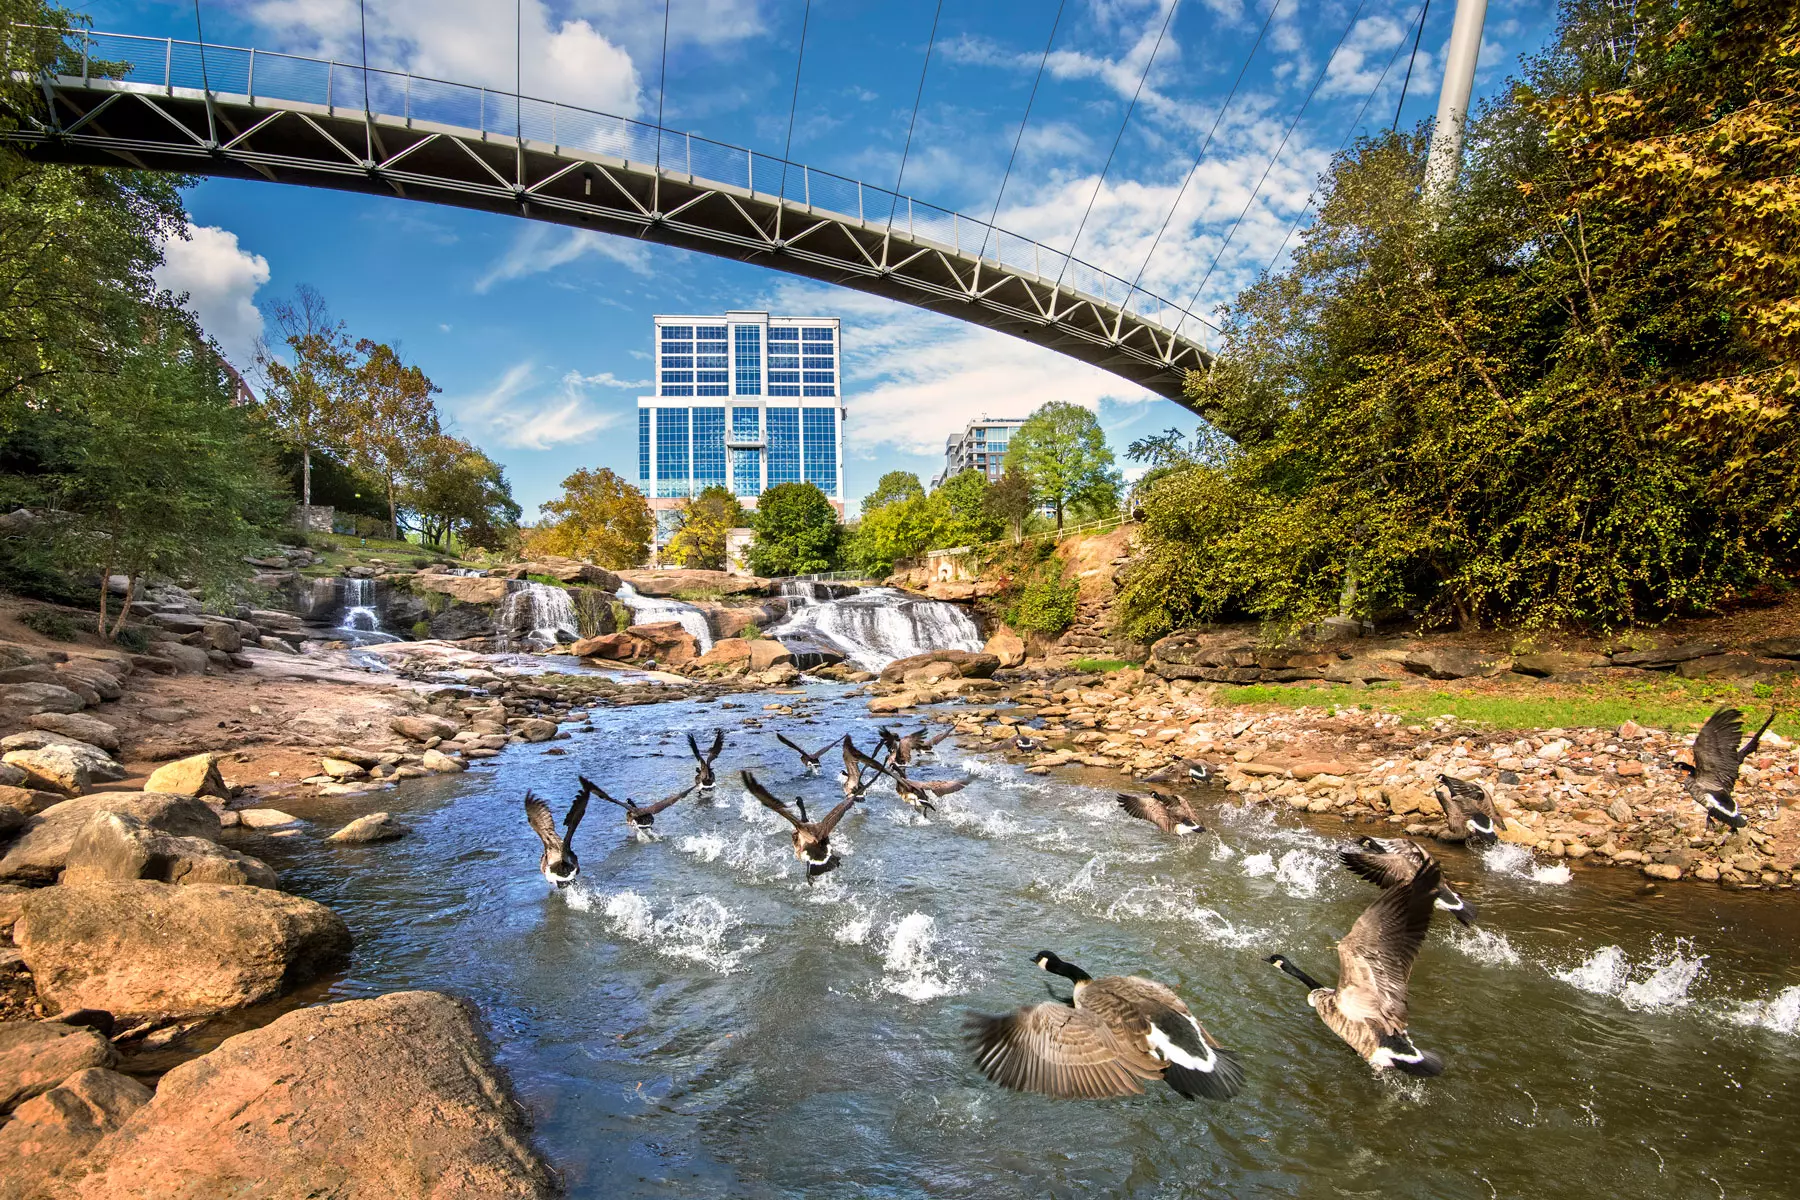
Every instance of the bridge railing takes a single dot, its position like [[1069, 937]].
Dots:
[[170, 64]]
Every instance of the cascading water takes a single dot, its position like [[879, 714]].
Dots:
[[536, 614], [874, 626], [359, 611], [349, 608], [648, 610]]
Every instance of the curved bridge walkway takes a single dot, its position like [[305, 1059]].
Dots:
[[170, 105]]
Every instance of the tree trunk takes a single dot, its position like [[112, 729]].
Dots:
[[305, 483], [131, 582], [393, 515], [105, 582], [1059, 515]]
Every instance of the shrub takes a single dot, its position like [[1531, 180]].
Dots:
[[1043, 603], [750, 633], [51, 623], [134, 638], [421, 629], [622, 618]]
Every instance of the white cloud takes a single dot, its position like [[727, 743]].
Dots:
[[516, 412], [538, 247], [606, 379], [220, 279]]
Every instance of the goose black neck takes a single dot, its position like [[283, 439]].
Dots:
[[1311, 983], [1069, 971]]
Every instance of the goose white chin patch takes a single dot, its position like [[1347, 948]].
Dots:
[[1481, 824], [1447, 906], [1168, 1051], [1184, 828]]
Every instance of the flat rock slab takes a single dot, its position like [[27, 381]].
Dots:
[[42, 850], [81, 727], [394, 1097], [139, 948], [35, 1056], [48, 1141], [1665, 656]]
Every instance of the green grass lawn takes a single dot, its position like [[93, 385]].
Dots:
[[342, 551], [1664, 703], [1102, 664]]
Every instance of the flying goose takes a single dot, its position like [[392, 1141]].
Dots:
[[916, 792], [899, 749], [559, 864], [1468, 811], [1375, 959], [929, 745], [1171, 814], [1025, 745], [1113, 1033], [638, 817], [812, 839], [808, 758], [703, 773], [1392, 862], [856, 784], [1716, 762]]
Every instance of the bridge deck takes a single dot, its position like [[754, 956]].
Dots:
[[170, 105]]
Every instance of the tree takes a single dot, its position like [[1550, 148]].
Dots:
[[306, 401], [1010, 500], [892, 487], [796, 531], [599, 517], [897, 530], [1061, 449], [959, 512], [461, 496], [700, 528], [389, 421]]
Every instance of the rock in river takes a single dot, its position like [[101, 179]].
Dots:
[[137, 948], [196, 775], [376, 827], [47, 1142], [394, 1097], [42, 849], [970, 664]]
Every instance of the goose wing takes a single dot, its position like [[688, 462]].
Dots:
[[852, 767], [577, 811], [940, 787], [718, 744], [1147, 808], [1384, 862], [768, 801], [589, 787], [542, 823], [1751, 745], [804, 756], [1155, 1022], [825, 824], [857, 756], [933, 741], [694, 747], [1375, 959], [1056, 1050], [666, 801], [1716, 752]]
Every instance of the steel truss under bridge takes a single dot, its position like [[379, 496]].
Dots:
[[170, 105]]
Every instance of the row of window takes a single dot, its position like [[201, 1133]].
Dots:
[[693, 361], [696, 437]]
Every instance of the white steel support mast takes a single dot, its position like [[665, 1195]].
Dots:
[[1444, 161]]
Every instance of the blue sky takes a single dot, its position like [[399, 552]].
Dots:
[[539, 336]]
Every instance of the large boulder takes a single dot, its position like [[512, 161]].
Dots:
[[66, 767], [35, 1056], [569, 570], [41, 697], [424, 727], [27, 802], [115, 846], [48, 1140], [618, 647], [1455, 662], [963, 591], [39, 854], [187, 660], [375, 827], [470, 589], [138, 948], [196, 775], [1557, 662], [394, 1097], [1665, 656], [461, 621], [721, 583], [1781, 647], [667, 642], [1006, 646], [81, 727], [970, 664], [753, 654]]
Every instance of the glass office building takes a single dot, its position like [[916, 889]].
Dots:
[[743, 401], [981, 446]]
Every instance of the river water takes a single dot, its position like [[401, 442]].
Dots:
[[694, 1020]]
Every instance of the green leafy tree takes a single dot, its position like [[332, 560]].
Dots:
[[700, 529], [898, 530], [1010, 501], [307, 397], [1061, 449], [959, 512], [389, 421], [891, 488], [461, 496], [796, 531], [599, 518]]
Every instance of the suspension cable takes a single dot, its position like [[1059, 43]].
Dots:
[[1273, 159], [1023, 121], [1204, 146], [200, 41], [1129, 109], [362, 13], [1367, 100], [662, 87], [1419, 27], [519, 73], [907, 148], [787, 147]]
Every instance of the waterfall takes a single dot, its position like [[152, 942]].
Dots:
[[358, 606], [536, 614], [647, 610], [875, 626]]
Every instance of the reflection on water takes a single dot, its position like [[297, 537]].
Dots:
[[696, 1020]]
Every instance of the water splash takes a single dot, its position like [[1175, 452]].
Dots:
[[911, 969], [1302, 873], [1510, 858], [1258, 865], [853, 932], [876, 626], [1780, 1013], [1663, 981], [1485, 946], [986, 824], [697, 930]]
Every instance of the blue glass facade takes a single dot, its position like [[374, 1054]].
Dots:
[[747, 342], [784, 361], [746, 473], [709, 447], [712, 361], [672, 452], [784, 446], [675, 361], [643, 448], [820, 426]]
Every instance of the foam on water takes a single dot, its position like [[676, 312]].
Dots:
[[1510, 858], [750, 853], [1302, 873], [699, 929], [1221, 852], [991, 769], [910, 968], [1663, 981], [1780, 1012], [1220, 931], [706, 846], [1483, 945], [987, 824], [1258, 865], [853, 932]]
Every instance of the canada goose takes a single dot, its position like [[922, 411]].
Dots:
[[1368, 1007], [812, 839], [899, 749], [1025, 745], [638, 818], [1196, 770], [559, 864], [1716, 762], [808, 758], [916, 792], [856, 785], [1468, 811], [703, 773], [1171, 814], [929, 745], [1113, 1033], [1392, 862]]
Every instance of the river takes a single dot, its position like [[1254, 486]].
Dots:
[[694, 1020]]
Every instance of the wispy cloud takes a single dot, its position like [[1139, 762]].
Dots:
[[518, 412], [538, 248]]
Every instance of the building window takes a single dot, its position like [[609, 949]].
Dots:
[[821, 448], [643, 446], [709, 447], [746, 423], [814, 389], [748, 340], [784, 445], [746, 472], [672, 452], [816, 333]]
